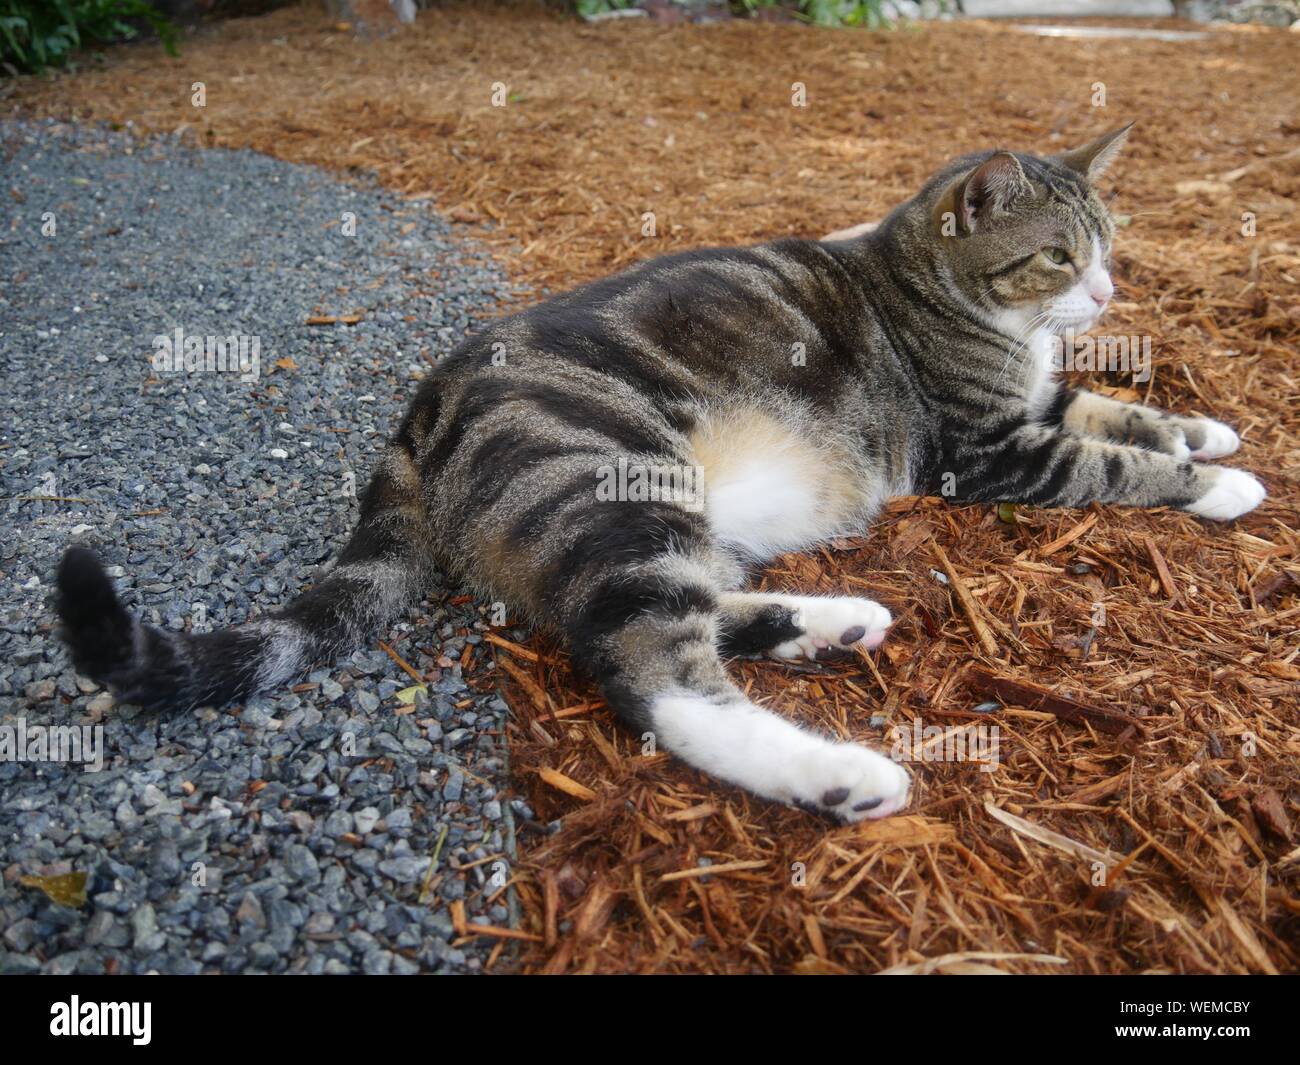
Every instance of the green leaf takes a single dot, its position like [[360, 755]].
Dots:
[[407, 695], [39, 33], [7, 27], [68, 889], [69, 21]]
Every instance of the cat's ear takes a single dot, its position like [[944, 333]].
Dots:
[[987, 191], [1093, 158]]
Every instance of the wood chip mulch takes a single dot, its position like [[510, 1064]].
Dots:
[[1142, 669]]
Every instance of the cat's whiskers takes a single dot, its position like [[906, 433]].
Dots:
[[1023, 332], [1051, 324], [1018, 341]]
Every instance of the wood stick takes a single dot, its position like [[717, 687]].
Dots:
[[513, 648], [402, 663], [566, 784], [1035, 697], [968, 605], [1068, 538], [331, 319], [551, 904], [711, 870], [1162, 569], [472, 930]]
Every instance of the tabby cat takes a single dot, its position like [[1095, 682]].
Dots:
[[804, 383]]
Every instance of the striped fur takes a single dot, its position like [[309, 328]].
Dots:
[[807, 381]]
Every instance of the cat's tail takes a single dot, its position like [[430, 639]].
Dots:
[[379, 571]]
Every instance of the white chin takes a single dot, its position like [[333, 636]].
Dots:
[[1075, 325]]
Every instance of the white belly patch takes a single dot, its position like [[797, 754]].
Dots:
[[768, 489]]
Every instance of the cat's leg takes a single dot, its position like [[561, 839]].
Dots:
[[1036, 463], [645, 624], [798, 626], [1089, 414]]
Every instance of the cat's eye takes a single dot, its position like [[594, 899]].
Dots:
[[1057, 255]]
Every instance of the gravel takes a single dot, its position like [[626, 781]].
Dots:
[[319, 830]]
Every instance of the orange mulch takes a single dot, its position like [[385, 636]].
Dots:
[[1153, 829]]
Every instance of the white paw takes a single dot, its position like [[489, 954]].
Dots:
[[1220, 440], [1233, 493], [833, 623], [849, 782]]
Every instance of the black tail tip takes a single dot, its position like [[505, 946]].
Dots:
[[85, 591], [96, 627]]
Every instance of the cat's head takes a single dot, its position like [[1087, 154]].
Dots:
[[1026, 238]]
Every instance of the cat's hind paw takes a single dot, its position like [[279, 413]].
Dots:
[[834, 624], [850, 782], [1232, 494], [1209, 439]]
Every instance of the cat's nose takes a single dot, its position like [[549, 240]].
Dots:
[[1100, 288]]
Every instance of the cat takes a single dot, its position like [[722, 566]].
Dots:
[[806, 383]]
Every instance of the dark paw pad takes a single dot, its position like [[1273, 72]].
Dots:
[[853, 635]]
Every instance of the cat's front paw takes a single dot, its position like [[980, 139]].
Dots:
[[1232, 494], [849, 782], [1163, 436], [1209, 439], [833, 624]]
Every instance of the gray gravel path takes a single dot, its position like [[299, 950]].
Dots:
[[297, 834]]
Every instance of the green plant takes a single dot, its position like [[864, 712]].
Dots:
[[867, 13], [845, 13], [588, 8], [35, 34]]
